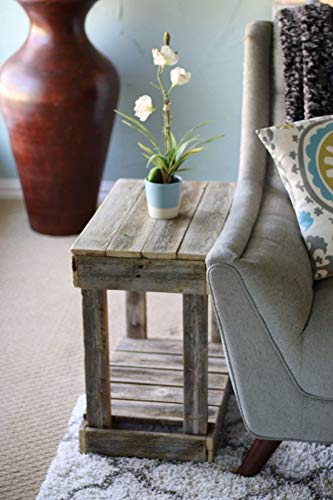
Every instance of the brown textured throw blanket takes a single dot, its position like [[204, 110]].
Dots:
[[307, 43]]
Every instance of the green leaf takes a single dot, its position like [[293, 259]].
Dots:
[[176, 170], [141, 127], [197, 148], [145, 148], [153, 159], [181, 149], [173, 140], [141, 132], [158, 162], [186, 155], [177, 149], [211, 139], [194, 151], [184, 169], [189, 132]]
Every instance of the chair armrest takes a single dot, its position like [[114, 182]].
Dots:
[[253, 156], [262, 295], [238, 228], [273, 267]]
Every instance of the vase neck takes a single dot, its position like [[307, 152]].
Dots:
[[58, 20]]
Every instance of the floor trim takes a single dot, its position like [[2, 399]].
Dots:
[[11, 189]]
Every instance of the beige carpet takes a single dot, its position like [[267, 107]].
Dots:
[[41, 358]]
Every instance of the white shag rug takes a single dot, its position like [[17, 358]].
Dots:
[[296, 471]]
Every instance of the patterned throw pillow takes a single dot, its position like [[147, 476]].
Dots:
[[303, 155]]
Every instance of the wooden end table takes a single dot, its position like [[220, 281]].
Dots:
[[181, 386]]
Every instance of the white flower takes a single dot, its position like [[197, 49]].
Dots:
[[165, 56], [143, 107], [179, 76], [159, 60]]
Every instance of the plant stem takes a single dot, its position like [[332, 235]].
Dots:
[[167, 123]]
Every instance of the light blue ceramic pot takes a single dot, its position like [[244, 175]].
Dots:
[[164, 199]]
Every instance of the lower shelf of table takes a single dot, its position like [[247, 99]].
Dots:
[[147, 404]]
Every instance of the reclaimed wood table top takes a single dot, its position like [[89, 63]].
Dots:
[[122, 227]]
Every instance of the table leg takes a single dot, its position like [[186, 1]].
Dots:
[[195, 364], [97, 369], [213, 326], [136, 316]]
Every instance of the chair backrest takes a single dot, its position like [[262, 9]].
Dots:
[[263, 102], [277, 106], [256, 97], [277, 84]]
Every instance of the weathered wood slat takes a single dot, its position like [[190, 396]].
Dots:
[[127, 443], [114, 273], [163, 346], [195, 363], [207, 222], [97, 369], [214, 434], [101, 229], [213, 329], [133, 233], [152, 412], [162, 378], [156, 393], [166, 237], [161, 361], [136, 315]]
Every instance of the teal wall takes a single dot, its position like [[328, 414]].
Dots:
[[208, 35]]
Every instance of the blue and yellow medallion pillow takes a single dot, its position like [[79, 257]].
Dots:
[[303, 154]]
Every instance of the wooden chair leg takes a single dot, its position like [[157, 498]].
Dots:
[[257, 457], [136, 316]]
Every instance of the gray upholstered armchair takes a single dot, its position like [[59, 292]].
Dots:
[[276, 324]]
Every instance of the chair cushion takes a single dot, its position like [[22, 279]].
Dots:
[[297, 315], [276, 272], [281, 301], [317, 347], [303, 154]]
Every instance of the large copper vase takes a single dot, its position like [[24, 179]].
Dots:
[[57, 95]]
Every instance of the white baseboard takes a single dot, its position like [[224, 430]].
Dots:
[[10, 189]]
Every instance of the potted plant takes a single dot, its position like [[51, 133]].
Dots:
[[163, 185]]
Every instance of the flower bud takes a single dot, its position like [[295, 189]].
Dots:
[[166, 38]]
